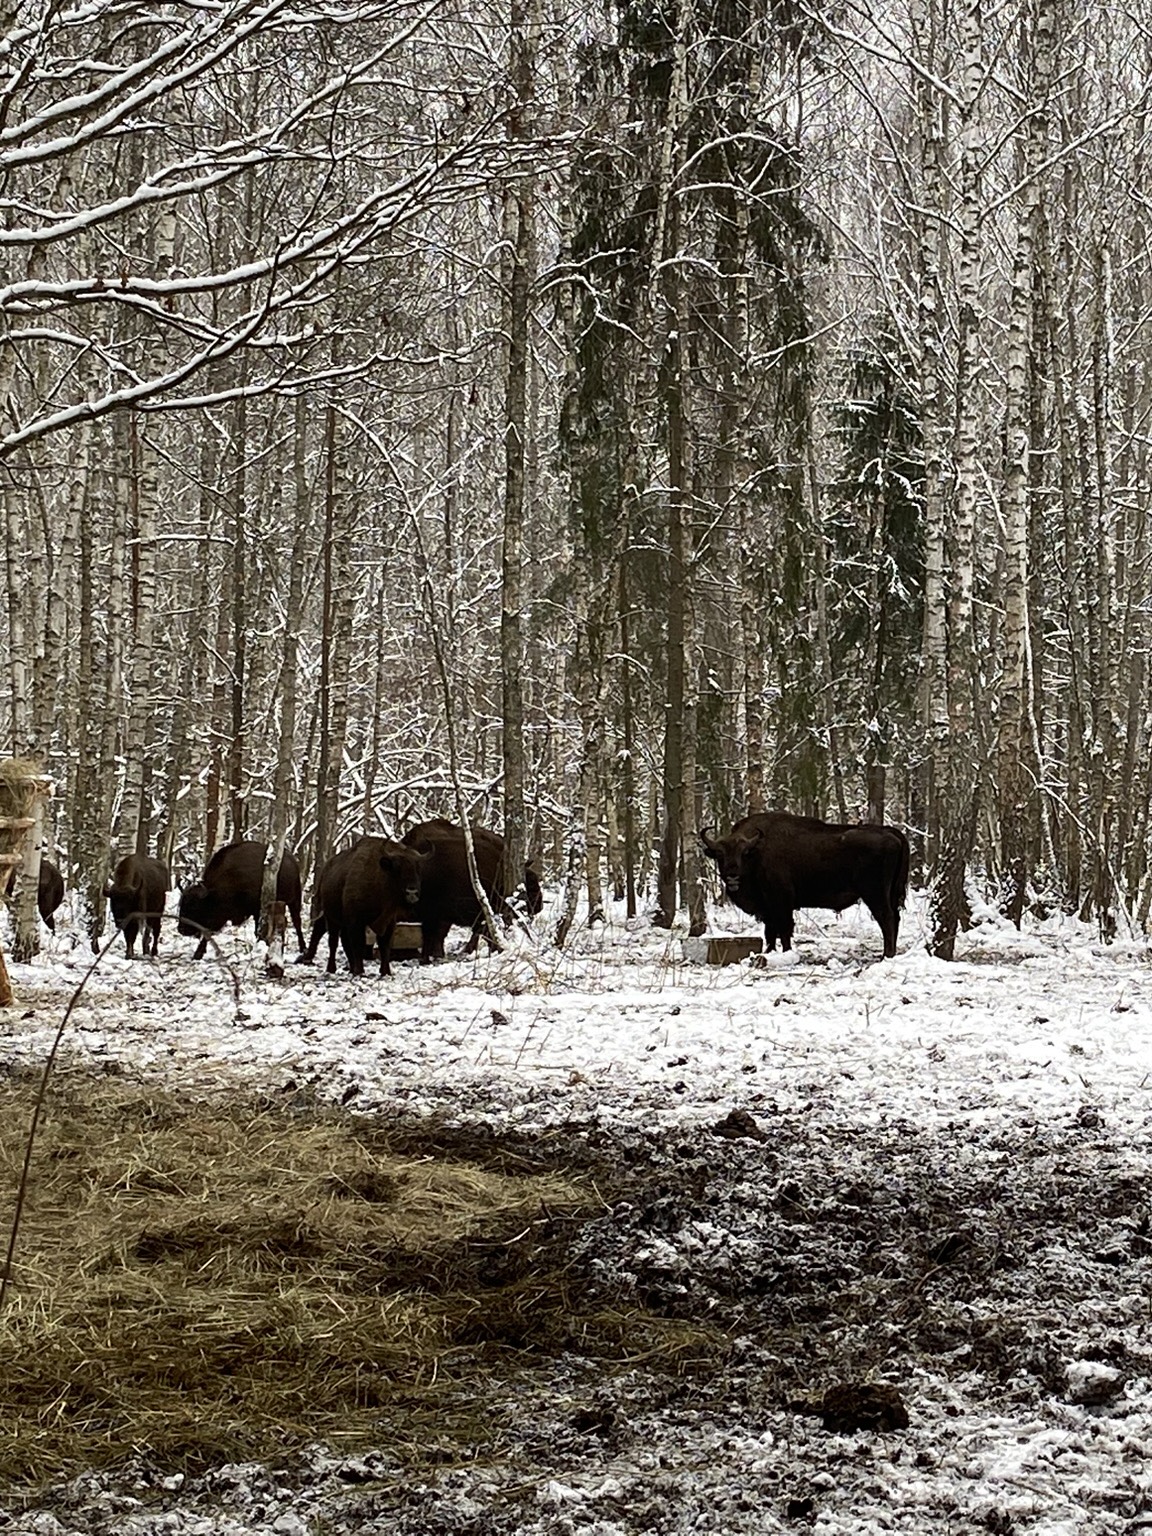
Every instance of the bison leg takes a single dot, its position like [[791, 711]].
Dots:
[[129, 932], [777, 926], [295, 911], [352, 938], [889, 920], [384, 944], [153, 927], [480, 931], [201, 947], [432, 945], [308, 952], [785, 927], [333, 941]]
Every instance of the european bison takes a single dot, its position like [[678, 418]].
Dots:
[[49, 891], [771, 863], [447, 895], [229, 892], [328, 895], [136, 896], [380, 887]]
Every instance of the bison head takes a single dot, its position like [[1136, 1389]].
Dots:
[[729, 854], [125, 902], [405, 866], [198, 912]]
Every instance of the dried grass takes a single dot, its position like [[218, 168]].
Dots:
[[207, 1281], [19, 786]]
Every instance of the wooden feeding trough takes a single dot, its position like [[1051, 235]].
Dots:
[[407, 941], [721, 948]]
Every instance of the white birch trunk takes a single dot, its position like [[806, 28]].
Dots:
[[962, 768], [1016, 761], [930, 328]]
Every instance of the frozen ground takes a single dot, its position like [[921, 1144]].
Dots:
[[945, 1187]]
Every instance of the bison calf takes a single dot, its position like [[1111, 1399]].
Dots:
[[229, 892], [378, 887], [136, 896], [771, 863]]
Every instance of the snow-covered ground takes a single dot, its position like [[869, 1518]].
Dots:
[[949, 1191]]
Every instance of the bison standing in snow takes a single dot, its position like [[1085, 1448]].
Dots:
[[377, 887], [49, 892], [328, 900], [136, 896], [229, 891], [773, 862], [447, 895]]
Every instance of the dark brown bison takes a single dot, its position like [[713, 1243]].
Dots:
[[229, 891], [377, 887], [136, 896], [49, 892], [772, 863], [328, 894], [447, 896]]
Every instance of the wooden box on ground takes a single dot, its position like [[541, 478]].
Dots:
[[721, 948], [406, 941]]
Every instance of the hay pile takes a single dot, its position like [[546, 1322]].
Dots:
[[199, 1282], [20, 784]]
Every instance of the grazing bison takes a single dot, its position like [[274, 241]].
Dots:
[[772, 863], [229, 891], [447, 896], [376, 888], [49, 891], [136, 896]]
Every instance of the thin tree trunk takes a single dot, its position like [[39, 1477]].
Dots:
[[933, 698], [521, 219], [961, 766], [324, 827], [239, 533], [1017, 769], [273, 920], [674, 387]]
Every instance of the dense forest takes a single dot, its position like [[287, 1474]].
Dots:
[[596, 421]]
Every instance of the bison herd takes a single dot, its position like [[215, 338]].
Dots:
[[770, 864]]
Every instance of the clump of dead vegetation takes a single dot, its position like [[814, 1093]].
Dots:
[[19, 787], [216, 1280]]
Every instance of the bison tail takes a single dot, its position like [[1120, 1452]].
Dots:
[[900, 879]]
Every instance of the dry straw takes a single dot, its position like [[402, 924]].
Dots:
[[214, 1280], [20, 783]]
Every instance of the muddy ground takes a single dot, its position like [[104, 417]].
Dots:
[[746, 1267]]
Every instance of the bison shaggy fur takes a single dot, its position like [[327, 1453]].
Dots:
[[771, 863], [377, 885], [447, 895], [49, 892], [229, 891], [136, 896]]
